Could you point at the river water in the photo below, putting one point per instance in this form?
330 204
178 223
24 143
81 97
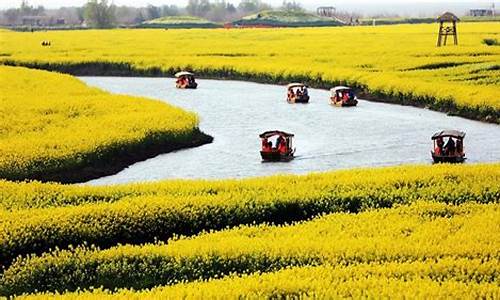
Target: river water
327 137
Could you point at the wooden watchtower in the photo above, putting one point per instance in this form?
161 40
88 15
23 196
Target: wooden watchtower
447 26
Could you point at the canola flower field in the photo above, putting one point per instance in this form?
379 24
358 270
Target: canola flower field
410 227
408 231
52 123
398 63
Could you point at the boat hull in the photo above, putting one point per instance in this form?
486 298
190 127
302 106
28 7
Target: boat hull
276 156
187 86
348 103
448 159
303 99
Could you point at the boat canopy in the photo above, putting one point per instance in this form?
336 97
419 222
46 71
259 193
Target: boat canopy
295 85
449 133
269 134
340 88
184 73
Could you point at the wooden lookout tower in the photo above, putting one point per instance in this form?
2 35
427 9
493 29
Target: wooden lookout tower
447 26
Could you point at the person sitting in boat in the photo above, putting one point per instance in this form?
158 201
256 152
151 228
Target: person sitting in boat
440 144
291 94
279 140
346 97
182 81
460 147
282 146
438 150
299 93
304 91
450 147
267 146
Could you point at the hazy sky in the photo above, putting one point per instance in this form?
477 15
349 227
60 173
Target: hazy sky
306 3
406 8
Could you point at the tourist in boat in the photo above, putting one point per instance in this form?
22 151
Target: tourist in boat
282 147
460 147
440 144
346 97
267 146
279 140
299 93
450 147
437 151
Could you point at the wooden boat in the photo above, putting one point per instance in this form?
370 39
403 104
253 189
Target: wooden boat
185 80
282 151
453 151
297 93
343 96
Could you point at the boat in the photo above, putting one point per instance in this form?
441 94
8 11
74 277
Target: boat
282 150
297 93
343 96
452 151
185 80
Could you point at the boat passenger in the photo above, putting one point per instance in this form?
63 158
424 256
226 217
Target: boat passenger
282 147
460 147
291 94
440 144
450 147
299 93
346 97
437 151
265 145
304 91
279 140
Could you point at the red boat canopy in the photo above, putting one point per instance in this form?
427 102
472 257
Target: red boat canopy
269 134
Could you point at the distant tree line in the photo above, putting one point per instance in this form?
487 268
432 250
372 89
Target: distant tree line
104 14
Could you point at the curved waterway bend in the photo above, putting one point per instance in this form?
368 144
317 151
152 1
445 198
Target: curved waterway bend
327 137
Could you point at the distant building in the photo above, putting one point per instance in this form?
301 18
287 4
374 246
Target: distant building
41 21
481 12
326 11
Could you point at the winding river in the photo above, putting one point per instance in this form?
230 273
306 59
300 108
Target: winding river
327 137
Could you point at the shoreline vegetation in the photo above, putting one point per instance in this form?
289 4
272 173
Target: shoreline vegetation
56 128
484 114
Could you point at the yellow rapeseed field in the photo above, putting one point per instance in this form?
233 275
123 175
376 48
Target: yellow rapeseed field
409 231
51 122
386 252
461 223
399 63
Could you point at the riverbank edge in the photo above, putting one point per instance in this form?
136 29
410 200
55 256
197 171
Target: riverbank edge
486 114
116 159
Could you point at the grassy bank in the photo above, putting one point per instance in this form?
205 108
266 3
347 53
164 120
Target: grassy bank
55 128
286 19
176 22
397 64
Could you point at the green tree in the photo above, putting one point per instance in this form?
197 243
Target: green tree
291 6
99 14
154 12
252 6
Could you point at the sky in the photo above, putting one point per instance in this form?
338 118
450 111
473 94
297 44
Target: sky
367 6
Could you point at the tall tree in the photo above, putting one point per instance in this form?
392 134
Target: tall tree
291 6
154 12
99 14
